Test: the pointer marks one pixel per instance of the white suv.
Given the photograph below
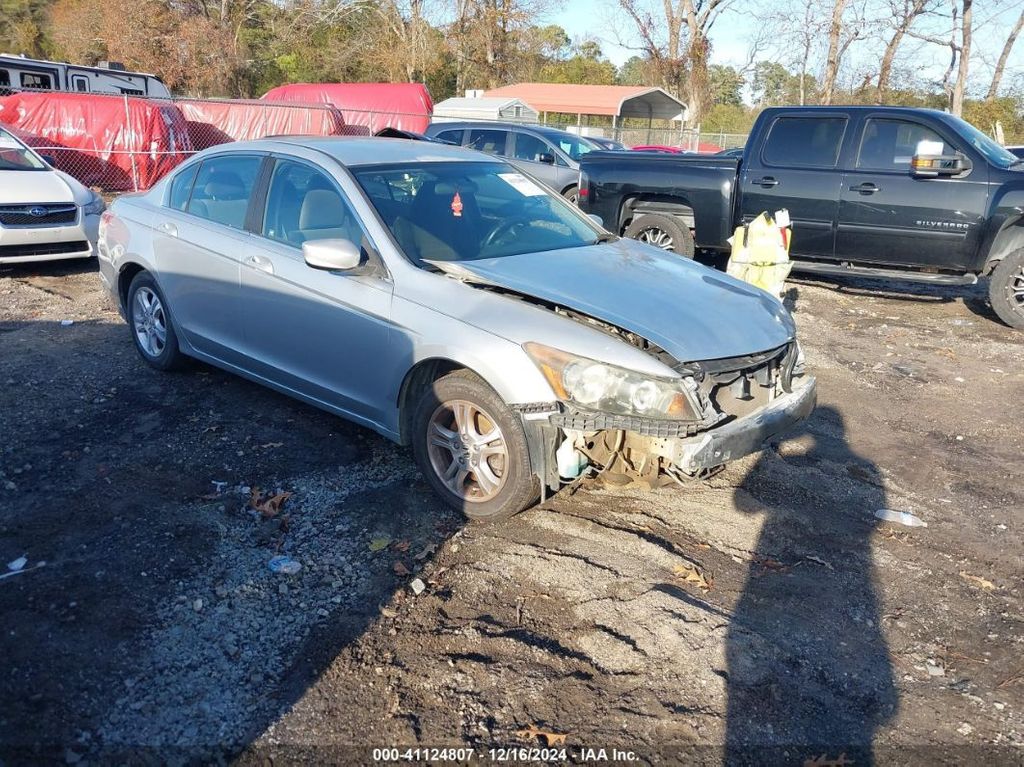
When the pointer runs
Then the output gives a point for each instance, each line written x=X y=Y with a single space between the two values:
x=44 y=214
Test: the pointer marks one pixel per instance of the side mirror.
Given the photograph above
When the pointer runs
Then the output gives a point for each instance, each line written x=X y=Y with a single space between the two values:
x=547 y=158
x=935 y=165
x=596 y=219
x=49 y=159
x=332 y=255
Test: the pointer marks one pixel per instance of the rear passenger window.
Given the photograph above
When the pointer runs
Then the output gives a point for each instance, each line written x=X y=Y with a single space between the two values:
x=454 y=136
x=181 y=187
x=303 y=204
x=489 y=141
x=807 y=142
x=530 y=148
x=891 y=144
x=222 y=189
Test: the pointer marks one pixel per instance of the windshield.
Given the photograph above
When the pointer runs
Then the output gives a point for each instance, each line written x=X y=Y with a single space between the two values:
x=574 y=146
x=16 y=156
x=994 y=153
x=463 y=211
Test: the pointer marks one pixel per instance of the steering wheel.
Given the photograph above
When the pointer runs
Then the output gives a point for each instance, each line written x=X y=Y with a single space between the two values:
x=504 y=227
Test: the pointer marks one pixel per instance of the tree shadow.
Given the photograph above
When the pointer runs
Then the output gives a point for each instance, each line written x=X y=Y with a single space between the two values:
x=809 y=672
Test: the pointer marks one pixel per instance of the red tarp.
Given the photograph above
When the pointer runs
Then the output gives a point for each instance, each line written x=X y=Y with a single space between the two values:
x=218 y=122
x=406 y=106
x=112 y=142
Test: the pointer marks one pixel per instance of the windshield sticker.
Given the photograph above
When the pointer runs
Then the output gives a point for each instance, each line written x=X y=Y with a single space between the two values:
x=521 y=184
x=457 y=205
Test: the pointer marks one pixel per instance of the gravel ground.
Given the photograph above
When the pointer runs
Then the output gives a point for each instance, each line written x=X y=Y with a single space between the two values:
x=765 y=615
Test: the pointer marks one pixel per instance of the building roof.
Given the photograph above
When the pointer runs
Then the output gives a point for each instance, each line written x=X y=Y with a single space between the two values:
x=618 y=100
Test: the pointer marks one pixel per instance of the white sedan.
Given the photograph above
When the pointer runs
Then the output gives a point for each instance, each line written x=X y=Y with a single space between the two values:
x=44 y=214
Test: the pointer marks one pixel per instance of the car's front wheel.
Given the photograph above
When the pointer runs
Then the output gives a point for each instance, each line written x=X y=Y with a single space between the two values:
x=663 y=232
x=149 y=319
x=572 y=194
x=472 y=448
x=1006 y=289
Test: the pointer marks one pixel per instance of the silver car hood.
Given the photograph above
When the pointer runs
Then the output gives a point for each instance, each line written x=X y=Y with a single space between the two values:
x=689 y=310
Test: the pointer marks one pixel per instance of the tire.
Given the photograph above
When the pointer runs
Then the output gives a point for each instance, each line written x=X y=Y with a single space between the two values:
x=149 y=319
x=572 y=194
x=663 y=232
x=447 y=416
x=1006 y=289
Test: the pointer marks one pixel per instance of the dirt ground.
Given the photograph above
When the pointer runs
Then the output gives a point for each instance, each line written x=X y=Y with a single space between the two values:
x=764 y=616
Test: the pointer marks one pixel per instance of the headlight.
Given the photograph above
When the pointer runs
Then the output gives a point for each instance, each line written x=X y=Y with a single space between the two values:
x=95 y=206
x=610 y=389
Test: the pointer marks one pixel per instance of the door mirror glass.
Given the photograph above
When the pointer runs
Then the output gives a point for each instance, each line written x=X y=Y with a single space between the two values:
x=332 y=255
x=547 y=158
x=934 y=165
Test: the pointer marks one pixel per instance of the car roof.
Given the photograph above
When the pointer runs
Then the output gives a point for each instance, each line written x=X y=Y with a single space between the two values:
x=355 y=151
x=463 y=124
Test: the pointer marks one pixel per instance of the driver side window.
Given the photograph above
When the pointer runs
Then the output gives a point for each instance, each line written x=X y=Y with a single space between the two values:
x=303 y=204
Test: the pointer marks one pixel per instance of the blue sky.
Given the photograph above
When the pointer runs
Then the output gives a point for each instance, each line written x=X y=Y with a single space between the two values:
x=600 y=20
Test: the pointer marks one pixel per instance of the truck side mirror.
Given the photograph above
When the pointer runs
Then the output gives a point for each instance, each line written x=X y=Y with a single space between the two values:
x=936 y=165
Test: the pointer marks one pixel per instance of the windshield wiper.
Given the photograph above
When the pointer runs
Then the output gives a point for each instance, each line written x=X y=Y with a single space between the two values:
x=605 y=237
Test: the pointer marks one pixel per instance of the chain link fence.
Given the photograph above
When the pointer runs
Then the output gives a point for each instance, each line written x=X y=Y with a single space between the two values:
x=120 y=143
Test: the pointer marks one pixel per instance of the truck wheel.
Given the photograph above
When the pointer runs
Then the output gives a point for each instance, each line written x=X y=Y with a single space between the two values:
x=662 y=232
x=472 y=448
x=1006 y=289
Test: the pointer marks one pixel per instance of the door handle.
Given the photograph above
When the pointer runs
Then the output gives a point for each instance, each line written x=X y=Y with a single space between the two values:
x=168 y=228
x=767 y=182
x=261 y=263
x=866 y=188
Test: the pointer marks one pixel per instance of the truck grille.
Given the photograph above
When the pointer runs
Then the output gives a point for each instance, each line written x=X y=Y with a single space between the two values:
x=39 y=214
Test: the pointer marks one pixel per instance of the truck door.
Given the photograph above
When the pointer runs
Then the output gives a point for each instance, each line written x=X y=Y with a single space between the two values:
x=887 y=216
x=797 y=169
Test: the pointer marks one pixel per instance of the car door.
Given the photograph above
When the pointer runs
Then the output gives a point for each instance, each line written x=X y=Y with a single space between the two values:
x=199 y=239
x=887 y=216
x=325 y=335
x=797 y=169
x=526 y=153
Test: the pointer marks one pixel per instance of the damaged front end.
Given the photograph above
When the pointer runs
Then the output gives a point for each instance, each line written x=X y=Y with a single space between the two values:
x=633 y=428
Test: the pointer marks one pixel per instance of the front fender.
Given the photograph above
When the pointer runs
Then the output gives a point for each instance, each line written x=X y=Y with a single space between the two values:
x=1005 y=231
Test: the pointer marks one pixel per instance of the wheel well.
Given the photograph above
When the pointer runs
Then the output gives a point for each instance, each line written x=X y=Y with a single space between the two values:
x=677 y=207
x=124 y=280
x=419 y=377
x=573 y=185
x=1008 y=240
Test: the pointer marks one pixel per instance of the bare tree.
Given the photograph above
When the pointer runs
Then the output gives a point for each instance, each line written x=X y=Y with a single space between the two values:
x=904 y=14
x=835 y=32
x=678 y=45
x=956 y=102
x=997 y=74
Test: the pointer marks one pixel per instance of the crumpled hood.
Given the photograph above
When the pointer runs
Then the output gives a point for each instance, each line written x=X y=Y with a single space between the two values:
x=689 y=310
x=18 y=187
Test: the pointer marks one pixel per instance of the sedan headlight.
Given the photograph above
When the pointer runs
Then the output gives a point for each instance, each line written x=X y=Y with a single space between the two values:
x=607 y=388
x=94 y=206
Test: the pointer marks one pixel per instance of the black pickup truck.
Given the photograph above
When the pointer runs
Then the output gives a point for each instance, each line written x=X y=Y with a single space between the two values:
x=913 y=194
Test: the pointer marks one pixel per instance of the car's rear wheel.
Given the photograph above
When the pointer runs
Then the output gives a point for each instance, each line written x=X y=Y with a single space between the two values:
x=662 y=232
x=1006 y=289
x=149 y=319
x=472 y=448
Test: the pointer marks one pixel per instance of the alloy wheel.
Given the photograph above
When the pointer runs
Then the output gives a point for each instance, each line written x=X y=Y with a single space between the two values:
x=150 y=322
x=1016 y=289
x=659 y=238
x=467 y=451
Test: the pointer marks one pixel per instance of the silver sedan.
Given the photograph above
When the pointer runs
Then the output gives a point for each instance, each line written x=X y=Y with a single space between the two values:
x=446 y=300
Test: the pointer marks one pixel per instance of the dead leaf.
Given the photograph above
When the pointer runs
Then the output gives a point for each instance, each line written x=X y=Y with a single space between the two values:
x=379 y=544
x=400 y=568
x=271 y=507
x=978 y=580
x=402 y=546
x=551 y=739
x=427 y=551
x=690 y=573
